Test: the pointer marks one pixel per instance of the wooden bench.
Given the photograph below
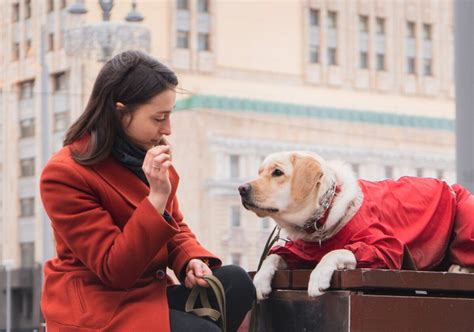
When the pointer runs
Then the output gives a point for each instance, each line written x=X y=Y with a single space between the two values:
x=370 y=300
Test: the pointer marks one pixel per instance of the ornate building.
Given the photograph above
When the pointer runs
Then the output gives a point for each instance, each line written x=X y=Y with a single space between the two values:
x=366 y=81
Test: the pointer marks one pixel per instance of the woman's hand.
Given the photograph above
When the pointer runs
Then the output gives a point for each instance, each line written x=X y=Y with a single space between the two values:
x=155 y=166
x=195 y=271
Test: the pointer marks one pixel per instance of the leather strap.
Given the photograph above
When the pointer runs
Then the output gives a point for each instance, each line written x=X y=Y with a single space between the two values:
x=216 y=286
x=272 y=239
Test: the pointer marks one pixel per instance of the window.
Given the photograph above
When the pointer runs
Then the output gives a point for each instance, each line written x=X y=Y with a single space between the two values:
x=27 y=207
x=15 y=12
x=411 y=65
x=363 y=23
x=427 y=70
x=62 y=4
x=235 y=216
x=380 y=26
x=427 y=50
x=355 y=169
x=182 y=39
x=380 y=44
x=26 y=90
x=363 y=60
x=234 y=166
x=332 y=38
x=50 y=42
x=314 y=17
x=332 y=56
x=388 y=172
x=411 y=31
x=22 y=303
x=15 y=51
x=313 y=53
x=235 y=258
x=60 y=82
x=27 y=9
x=410 y=48
x=332 y=20
x=27 y=128
x=419 y=172
x=27 y=250
x=203 y=6
x=182 y=4
x=265 y=223
x=61 y=121
x=314 y=36
x=427 y=31
x=27 y=167
x=363 y=42
x=410 y=51
x=380 y=59
x=28 y=48
x=50 y=6
x=203 y=41
x=193 y=34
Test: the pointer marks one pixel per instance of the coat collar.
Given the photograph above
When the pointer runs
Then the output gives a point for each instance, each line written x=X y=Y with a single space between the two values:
x=127 y=184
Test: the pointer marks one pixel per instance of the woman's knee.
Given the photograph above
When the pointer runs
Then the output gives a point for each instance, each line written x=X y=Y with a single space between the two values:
x=237 y=281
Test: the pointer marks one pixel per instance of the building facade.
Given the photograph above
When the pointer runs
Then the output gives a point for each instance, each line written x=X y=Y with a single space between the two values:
x=366 y=81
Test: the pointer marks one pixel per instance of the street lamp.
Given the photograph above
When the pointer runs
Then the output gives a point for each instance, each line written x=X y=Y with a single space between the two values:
x=106 y=38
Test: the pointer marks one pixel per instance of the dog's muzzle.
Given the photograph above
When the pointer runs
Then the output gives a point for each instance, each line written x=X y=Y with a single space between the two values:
x=244 y=191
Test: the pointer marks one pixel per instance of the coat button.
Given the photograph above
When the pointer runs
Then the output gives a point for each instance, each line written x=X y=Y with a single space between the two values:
x=160 y=274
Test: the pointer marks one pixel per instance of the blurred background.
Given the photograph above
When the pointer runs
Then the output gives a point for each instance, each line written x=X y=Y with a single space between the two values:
x=370 y=82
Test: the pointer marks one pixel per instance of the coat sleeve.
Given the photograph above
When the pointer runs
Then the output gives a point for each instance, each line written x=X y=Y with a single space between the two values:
x=375 y=247
x=117 y=257
x=184 y=246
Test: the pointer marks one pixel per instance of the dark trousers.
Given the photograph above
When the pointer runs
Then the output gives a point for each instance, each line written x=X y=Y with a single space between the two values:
x=239 y=292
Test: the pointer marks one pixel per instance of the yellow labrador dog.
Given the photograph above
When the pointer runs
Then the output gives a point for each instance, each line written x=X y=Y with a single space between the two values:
x=335 y=221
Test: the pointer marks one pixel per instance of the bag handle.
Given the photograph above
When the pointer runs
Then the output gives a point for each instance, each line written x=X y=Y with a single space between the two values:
x=216 y=286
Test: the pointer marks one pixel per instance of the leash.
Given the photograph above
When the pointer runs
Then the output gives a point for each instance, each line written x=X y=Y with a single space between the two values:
x=216 y=286
x=207 y=310
x=272 y=239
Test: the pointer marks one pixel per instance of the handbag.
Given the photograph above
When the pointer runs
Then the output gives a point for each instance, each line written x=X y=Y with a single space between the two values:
x=207 y=310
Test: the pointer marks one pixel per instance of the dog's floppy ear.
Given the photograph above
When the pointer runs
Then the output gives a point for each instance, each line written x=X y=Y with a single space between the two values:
x=306 y=175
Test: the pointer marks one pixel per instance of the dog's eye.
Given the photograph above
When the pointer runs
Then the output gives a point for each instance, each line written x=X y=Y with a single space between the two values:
x=277 y=172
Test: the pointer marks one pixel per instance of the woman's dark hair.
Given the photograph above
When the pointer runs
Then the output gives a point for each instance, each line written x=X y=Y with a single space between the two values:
x=132 y=78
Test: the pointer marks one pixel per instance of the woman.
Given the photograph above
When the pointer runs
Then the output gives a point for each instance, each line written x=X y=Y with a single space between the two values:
x=110 y=195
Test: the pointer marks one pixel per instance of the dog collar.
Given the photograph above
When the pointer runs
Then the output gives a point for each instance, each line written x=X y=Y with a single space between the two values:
x=317 y=223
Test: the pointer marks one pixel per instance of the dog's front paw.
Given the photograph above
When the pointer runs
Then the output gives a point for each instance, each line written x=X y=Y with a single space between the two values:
x=263 y=285
x=320 y=280
x=455 y=268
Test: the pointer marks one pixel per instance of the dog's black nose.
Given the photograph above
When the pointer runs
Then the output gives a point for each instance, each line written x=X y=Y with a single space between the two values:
x=244 y=189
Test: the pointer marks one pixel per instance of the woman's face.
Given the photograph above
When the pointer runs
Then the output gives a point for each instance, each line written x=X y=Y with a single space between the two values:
x=150 y=121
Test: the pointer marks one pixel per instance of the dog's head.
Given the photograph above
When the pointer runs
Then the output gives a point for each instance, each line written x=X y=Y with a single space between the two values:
x=288 y=187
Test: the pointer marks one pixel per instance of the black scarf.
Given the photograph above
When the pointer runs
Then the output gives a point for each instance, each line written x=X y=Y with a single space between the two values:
x=130 y=155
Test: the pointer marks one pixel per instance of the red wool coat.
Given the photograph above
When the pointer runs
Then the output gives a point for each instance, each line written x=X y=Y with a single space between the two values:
x=112 y=246
x=414 y=212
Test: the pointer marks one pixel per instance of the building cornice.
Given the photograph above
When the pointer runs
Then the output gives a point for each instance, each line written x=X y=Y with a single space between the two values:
x=235 y=104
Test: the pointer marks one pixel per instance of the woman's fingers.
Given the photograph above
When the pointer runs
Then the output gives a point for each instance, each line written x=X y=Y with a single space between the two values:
x=157 y=161
x=194 y=276
x=159 y=149
x=190 y=281
x=155 y=152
